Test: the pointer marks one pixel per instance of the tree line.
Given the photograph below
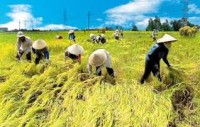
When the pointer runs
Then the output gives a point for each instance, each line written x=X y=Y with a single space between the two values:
x=173 y=25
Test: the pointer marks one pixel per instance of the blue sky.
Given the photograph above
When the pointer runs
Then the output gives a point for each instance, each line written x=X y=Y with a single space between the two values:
x=49 y=14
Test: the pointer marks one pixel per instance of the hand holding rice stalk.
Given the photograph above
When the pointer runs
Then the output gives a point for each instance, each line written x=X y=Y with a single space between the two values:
x=175 y=68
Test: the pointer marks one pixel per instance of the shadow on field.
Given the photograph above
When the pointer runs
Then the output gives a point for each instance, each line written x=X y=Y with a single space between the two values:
x=90 y=80
x=87 y=79
x=32 y=70
x=3 y=79
x=34 y=96
x=181 y=100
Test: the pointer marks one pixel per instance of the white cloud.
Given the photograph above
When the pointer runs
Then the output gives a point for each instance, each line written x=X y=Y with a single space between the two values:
x=193 y=8
x=142 y=24
x=194 y=20
x=135 y=7
x=21 y=13
x=55 y=27
x=136 y=11
x=132 y=11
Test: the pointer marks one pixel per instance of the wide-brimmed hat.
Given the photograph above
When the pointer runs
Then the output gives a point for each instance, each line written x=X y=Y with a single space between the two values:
x=20 y=34
x=39 y=44
x=166 y=38
x=71 y=31
x=97 y=58
x=75 y=49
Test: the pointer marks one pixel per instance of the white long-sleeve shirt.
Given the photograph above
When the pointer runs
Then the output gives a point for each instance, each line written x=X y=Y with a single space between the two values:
x=24 y=46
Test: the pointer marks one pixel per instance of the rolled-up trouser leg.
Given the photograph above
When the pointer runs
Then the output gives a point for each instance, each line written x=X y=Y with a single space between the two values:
x=28 y=56
x=110 y=71
x=98 y=71
x=147 y=71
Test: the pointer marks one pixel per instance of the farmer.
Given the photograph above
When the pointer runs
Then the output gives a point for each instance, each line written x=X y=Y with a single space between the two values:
x=58 y=37
x=74 y=52
x=93 y=38
x=40 y=50
x=96 y=39
x=99 y=58
x=24 y=45
x=158 y=51
x=102 y=38
x=72 y=35
x=116 y=34
x=154 y=34
x=121 y=32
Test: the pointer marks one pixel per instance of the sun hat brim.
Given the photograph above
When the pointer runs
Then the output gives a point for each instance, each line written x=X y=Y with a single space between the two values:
x=166 y=38
x=71 y=31
x=75 y=49
x=39 y=44
x=20 y=34
x=97 y=58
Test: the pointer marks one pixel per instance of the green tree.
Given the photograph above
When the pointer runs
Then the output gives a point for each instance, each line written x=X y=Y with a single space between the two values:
x=134 y=28
x=150 y=26
x=166 y=26
x=157 y=23
x=176 y=24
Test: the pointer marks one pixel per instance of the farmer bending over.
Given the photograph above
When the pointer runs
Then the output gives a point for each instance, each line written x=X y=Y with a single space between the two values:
x=99 y=58
x=116 y=34
x=158 y=51
x=74 y=52
x=72 y=35
x=24 y=45
x=102 y=38
x=40 y=50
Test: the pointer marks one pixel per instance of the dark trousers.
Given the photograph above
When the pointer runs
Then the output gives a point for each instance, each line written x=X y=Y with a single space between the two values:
x=28 y=55
x=153 y=67
x=103 y=40
x=117 y=37
x=109 y=70
x=38 y=58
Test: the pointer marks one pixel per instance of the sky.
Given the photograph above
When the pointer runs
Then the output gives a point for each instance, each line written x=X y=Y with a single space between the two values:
x=74 y=14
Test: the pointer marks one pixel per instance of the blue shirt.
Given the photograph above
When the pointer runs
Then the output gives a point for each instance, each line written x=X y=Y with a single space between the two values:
x=157 y=52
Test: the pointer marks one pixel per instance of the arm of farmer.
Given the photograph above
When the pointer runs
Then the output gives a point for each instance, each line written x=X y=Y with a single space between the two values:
x=29 y=42
x=165 y=59
x=89 y=67
x=79 y=58
x=47 y=56
x=18 y=45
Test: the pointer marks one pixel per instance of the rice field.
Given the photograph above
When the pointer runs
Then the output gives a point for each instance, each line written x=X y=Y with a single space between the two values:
x=65 y=95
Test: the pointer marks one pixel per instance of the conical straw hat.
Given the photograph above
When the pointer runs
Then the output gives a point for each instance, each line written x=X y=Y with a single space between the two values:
x=75 y=49
x=39 y=44
x=20 y=34
x=71 y=31
x=166 y=38
x=97 y=58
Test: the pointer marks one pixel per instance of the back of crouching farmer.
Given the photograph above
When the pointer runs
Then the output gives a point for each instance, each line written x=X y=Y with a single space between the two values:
x=40 y=49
